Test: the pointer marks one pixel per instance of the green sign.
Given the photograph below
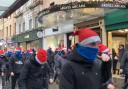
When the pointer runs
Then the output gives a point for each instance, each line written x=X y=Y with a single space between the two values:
x=28 y=36
x=78 y=5
x=117 y=20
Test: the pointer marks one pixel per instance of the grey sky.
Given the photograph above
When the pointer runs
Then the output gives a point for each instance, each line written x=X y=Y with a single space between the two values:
x=5 y=3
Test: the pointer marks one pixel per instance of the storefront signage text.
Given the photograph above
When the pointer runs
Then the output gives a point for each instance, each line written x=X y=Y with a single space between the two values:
x=83 y=4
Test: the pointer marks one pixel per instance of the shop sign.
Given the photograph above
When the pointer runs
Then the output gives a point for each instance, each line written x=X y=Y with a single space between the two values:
x=82 y=4
x=39 y=34
x=26 y=37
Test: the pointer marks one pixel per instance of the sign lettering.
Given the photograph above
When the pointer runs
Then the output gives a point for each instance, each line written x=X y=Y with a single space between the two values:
x=82 y=4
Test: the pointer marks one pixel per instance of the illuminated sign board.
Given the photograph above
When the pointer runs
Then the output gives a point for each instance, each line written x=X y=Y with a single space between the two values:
x=82 y=4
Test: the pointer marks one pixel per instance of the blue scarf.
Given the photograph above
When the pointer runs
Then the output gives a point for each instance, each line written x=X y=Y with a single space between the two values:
x=88 y=53
x=18 y=55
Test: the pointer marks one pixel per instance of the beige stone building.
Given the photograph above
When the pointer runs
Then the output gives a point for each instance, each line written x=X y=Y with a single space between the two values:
x=1 y=29
x=9 y=27
x=24 y=20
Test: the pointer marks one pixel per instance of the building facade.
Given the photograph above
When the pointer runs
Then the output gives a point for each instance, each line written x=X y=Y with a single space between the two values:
x=80 y=18
x=27 y=26
x=1 y=29
x=116 y=24
x=7 y=30
x=56 y=28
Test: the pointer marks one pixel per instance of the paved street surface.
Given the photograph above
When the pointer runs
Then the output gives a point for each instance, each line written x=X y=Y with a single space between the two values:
x=118 y=81
x=52 y=86
x=0 y=84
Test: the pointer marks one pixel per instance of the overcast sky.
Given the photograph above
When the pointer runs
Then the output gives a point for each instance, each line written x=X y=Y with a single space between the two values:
x=6 y=2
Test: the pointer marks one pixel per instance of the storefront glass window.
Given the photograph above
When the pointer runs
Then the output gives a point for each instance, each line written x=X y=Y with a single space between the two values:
x=55 y=41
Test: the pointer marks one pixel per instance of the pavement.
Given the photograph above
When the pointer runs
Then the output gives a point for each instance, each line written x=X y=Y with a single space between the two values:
x=0 y=84
x=51 y=86
x=54 y=86
x=118 y=82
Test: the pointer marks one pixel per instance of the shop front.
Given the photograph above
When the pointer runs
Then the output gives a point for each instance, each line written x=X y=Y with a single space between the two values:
x=56 y=36
x=81 y=18
x=29 y=40
x=117 y=28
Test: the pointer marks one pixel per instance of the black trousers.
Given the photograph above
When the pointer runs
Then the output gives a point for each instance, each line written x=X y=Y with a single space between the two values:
x=14 y=79
x=126 y=82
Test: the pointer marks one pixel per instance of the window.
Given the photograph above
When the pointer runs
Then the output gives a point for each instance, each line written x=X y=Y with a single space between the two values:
x=23 y=27
x=14 y=32
x=30 y=24
x=7 y=32
x=36 y=22
x=19 y=28
x=10 y=30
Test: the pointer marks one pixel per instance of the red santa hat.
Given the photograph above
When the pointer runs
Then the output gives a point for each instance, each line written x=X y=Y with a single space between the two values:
x=105 y=52
x=1 y=52
x=103 y=48
x=18 y=49
x=64 y=48
x=87 y=36
x=41 y=56
x=30 y=51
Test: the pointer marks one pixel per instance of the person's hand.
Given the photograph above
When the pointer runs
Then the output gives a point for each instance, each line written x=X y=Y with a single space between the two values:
x=2 y=74
x=12 y=74
x=121 y=70
x=110 y=86
x=105 y=57
x=51 y=81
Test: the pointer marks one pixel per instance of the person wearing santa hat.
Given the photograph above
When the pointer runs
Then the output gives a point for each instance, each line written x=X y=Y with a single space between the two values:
x=106 y=64
x=36 y=73
x=84 y=69
x=15 y=64
x=3 y=59
x=124 y=66
x=5 y=68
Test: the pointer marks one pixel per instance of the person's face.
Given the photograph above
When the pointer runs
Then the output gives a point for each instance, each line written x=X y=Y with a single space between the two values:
x=93 y=45
x=121 y=47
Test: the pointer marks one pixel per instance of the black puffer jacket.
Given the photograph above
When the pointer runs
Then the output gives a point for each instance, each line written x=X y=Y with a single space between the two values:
x=79 y=74
x=124 y=62
x=15 y=64
x=34 y=76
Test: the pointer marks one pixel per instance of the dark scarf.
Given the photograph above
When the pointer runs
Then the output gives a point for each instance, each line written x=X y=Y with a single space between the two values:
x=88 y=53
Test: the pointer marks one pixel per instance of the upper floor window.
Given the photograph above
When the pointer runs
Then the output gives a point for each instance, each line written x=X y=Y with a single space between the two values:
x=10 y=30
x=36 y=22
x=23 y=29
x=30 y=24
x=7 y=32
x=19 y=28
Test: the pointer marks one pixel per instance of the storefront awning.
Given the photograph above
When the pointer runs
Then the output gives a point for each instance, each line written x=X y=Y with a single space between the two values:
x=118 y=26
x=117 y=20
x=28 y=36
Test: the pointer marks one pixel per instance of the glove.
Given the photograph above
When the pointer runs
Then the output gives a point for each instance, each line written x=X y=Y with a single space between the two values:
x=110 y=86
x=51 y=80
x=12 y=74
x=105 y=57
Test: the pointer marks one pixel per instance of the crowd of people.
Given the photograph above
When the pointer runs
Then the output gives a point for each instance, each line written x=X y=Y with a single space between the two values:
x=42 y=67
x=86 y=66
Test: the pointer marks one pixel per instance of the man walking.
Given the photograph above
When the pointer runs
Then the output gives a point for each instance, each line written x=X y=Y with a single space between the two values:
x=84 y=70
x=36 y=73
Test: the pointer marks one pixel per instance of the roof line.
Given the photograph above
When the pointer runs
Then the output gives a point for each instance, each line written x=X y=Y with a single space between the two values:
x=16 y=5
